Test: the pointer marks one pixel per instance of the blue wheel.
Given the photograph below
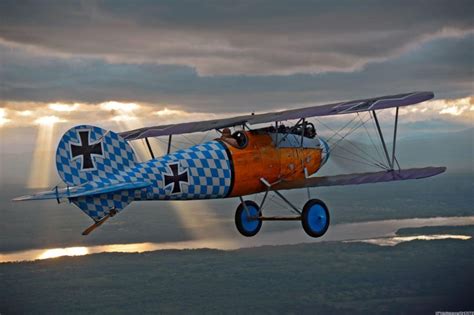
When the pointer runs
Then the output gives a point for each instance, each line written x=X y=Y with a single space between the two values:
x=315 y=218
x=246 y=218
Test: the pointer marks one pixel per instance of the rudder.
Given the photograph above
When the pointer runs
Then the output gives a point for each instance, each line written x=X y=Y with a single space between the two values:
x=88 y=153
x=92 y=155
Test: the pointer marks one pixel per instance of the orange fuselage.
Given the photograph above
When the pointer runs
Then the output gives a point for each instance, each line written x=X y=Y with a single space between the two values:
x=262 y=159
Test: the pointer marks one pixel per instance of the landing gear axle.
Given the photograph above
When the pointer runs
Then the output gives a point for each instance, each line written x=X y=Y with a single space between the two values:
x=314 y=218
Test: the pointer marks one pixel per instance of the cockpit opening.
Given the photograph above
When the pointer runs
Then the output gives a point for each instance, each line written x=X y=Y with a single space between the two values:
x=300 y=135
x=307 y=130
x=238 y=139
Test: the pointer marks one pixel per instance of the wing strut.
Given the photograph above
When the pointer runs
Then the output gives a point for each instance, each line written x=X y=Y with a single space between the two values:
x=394 y=138
x=149 y=148
x=382 y=139
x=169 y=145
x=391 y=161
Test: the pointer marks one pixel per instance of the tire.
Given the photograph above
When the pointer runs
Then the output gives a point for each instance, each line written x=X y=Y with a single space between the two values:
x=315 y=218
x=245 y=226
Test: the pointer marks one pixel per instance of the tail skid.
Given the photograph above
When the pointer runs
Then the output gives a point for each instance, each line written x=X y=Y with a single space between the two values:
x=91 y=228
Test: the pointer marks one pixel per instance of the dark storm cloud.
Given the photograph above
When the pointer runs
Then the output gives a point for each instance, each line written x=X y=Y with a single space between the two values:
x=443 y=65
x=235 y=37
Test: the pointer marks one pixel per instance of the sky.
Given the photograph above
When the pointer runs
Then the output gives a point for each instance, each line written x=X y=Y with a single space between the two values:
x=128 y=64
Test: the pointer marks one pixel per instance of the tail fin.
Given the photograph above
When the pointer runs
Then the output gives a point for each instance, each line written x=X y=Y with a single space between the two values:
x=88 y=153
x=92 y=162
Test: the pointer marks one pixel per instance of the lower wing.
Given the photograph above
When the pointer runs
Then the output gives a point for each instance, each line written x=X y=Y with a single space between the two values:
x=361 y=178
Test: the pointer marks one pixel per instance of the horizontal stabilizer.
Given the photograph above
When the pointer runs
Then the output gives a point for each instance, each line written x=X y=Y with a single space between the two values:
x=83 y=191
x=361 y=178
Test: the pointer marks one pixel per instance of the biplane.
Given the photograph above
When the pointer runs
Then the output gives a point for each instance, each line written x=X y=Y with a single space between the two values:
x=102 y=174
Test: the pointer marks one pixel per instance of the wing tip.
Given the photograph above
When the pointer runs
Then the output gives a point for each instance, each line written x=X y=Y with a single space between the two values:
x=427 y=94
x=441 y=169
x=22 y=198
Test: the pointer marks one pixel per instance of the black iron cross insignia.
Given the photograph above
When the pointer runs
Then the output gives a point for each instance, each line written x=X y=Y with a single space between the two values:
x=85 y=150
x=176 y=178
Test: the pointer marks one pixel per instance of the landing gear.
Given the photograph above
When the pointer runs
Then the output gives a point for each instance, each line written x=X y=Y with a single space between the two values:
x=247 y=218
x=315 y=218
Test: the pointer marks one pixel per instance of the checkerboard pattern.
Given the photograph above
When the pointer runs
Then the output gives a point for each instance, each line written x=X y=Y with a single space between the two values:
x=208 y=169
x=98 y=206
x=117 y=157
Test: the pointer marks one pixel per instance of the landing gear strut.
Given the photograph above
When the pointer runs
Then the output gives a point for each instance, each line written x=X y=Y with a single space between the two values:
x=314 y=217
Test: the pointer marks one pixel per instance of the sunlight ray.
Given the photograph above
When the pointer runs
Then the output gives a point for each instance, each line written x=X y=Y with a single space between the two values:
x=40 y=171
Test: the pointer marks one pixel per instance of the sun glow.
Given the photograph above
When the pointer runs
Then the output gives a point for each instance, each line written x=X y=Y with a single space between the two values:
x=392 y=241
x=3 y=118
x=127 y=120
x=123 y=118
x=59 y=252
x=454 y=110
x=169 y=112
x=48 y=120
x=40 y=172
x=25 y=113
x=59 y=107
x=120 y=107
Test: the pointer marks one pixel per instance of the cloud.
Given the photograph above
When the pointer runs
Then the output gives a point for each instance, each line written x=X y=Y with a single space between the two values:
x=27 y=114
x=234 y=38
x=49 y=120
x=444 y=66
x=3 y=118
x=442 y=112
x=63 y=107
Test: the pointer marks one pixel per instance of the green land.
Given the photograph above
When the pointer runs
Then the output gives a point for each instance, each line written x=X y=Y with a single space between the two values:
x=324 y=278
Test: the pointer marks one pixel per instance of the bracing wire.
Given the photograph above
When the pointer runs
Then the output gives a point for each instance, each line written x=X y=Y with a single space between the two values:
x=278 y=203
x=204 y=138
x=367 y=161
x=342 y=128
x=191 y=141
x=357 y=161
x=367 y=156
x=166 y=143
x=354 y=127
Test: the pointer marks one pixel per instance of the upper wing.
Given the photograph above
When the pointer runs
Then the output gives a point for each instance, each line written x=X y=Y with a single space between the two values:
x=361 y=178
x=320 y=110
x=178 y=129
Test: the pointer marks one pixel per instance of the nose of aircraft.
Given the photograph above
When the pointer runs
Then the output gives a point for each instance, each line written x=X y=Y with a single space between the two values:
x=325 y=152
